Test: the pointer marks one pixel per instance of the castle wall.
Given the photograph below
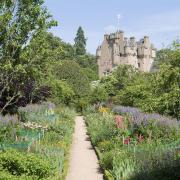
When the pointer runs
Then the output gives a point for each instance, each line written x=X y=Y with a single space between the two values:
x=116 y=50
x=105 y=52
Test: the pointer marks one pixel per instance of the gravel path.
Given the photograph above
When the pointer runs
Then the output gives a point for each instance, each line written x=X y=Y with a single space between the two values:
x=83 y=162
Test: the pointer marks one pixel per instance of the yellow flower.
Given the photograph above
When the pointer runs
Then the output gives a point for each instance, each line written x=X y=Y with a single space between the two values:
x=103 y=110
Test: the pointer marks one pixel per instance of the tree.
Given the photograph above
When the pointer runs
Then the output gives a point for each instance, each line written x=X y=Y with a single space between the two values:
x=62 y=92
x=88 y=61
x=80 y=42
x=77 y=80
x=20 y=21
x=98 y=94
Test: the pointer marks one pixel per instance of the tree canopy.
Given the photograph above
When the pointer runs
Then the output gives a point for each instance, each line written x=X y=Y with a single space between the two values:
x=80 y=42
x=21 y=21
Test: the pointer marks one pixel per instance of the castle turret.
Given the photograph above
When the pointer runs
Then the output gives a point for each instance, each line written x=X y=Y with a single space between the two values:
x=125 y=41
x=119 y=35
x=117 y=49
x=132 y=42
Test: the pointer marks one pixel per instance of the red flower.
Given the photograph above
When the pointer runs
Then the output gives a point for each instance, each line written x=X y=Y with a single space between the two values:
x=127 y=141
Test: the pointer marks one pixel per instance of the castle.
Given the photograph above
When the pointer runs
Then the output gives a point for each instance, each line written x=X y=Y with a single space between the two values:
x=117 y=49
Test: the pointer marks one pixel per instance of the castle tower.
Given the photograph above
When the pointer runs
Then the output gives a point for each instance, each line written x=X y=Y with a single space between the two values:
x=146 y=54
x=117 y=49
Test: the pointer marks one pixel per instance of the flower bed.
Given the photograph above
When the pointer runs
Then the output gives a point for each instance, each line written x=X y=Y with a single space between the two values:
x=135 y=145
x=41 y=137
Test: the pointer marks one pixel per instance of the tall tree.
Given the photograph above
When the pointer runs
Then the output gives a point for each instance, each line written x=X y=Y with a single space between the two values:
x=20 y=22
x=80 y=42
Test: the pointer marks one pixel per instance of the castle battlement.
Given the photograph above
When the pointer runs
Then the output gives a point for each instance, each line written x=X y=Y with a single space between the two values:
x=117 y=49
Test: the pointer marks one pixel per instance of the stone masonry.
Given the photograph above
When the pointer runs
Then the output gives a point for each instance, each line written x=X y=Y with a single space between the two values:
x=117 y=49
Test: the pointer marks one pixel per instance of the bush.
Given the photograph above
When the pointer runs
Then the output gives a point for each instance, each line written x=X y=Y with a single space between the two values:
x=101 y=127
x=18 y=163
x=107 y=160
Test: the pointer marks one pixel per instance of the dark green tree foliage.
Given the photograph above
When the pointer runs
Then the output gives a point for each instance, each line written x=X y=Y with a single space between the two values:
x=87 y=61
x=80 y=42
x=62 y=92
x=99 y=94
x=72 y=73
x=78 y=82
x=46 y=49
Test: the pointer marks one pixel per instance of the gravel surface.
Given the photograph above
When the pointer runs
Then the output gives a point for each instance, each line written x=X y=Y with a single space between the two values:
x=83 y=161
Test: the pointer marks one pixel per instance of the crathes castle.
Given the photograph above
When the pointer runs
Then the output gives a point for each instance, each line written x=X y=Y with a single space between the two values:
x=117 y=49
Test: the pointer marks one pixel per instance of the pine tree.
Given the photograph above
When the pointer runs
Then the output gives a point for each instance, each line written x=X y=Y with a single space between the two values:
x=80 y=42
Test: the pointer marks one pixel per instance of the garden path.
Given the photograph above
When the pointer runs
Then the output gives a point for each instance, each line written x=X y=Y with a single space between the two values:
x=83 y=161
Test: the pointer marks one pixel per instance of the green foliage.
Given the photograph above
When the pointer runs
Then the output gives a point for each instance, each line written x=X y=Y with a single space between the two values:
x=89 y=64
x=101 y=128
x=8 y=132
x=118 y=79
x=18 y=163
x=87 y=61
x=157 y=156
x=107 y=160
x=47 y=48
x=80 y=42
x=99 y=94
x=161 y=58
x=76 y=87
x=21 y=21
x=157 y=91
x=62 y=92
x=39 y=153
x=91 y=75
x=71 y=72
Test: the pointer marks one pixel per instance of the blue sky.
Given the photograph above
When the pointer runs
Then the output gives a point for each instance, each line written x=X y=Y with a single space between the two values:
x=159 y=19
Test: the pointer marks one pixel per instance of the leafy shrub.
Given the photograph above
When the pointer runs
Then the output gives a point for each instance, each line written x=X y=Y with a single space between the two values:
x=105 y=145
x=20 y=163
x=107 y=160
x=101 y=127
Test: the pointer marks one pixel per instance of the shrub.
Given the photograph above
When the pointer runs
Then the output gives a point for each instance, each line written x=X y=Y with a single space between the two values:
x=18 y=163
x=101 y=127
x=107 y=160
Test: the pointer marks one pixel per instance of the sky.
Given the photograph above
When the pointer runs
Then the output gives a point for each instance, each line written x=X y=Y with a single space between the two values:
x=158 y=19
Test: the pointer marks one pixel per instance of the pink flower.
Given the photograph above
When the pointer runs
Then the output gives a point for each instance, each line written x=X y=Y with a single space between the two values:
x=119 y=121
